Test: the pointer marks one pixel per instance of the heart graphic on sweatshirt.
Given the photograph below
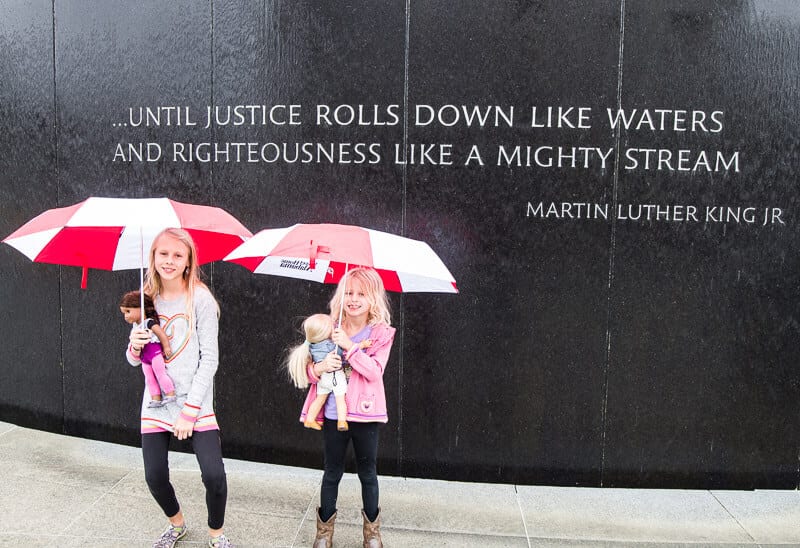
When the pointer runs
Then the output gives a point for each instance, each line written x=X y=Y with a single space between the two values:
x=177 y=329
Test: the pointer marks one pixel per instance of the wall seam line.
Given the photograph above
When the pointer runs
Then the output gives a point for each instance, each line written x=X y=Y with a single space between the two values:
x=58 y=203
x=211 y=166
x=612 y=246
x=404 y=206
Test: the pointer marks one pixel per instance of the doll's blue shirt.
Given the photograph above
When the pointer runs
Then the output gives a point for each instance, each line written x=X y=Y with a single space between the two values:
x=321 y=349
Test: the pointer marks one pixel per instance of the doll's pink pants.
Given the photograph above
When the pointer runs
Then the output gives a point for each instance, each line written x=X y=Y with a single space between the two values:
x=155 y=370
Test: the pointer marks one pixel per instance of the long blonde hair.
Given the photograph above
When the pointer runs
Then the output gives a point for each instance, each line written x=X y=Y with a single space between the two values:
x=317 y=328
x=374 y=291
x=191 y=276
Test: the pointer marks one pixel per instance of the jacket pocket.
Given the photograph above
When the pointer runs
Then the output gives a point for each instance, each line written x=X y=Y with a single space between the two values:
x=365 y=404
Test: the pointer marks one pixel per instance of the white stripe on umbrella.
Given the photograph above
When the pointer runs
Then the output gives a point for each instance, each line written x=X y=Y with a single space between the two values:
x=143 y=211
x=293 y=267
x=413 y=262
x=32 y=244
x=131 y=241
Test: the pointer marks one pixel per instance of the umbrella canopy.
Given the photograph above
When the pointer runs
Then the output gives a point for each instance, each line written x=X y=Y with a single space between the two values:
x=324 y=252
x=116 y=233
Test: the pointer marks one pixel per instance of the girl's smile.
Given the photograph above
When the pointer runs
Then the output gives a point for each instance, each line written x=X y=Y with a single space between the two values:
x=356 y=303
x=171 y=258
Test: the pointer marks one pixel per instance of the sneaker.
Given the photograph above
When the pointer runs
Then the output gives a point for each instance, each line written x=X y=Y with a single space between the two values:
x=155 y=403
x=169 y=537
x=219 y=542
x=169 y=399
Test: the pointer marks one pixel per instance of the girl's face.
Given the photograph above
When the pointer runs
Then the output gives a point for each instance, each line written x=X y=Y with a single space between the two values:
x=132 y=315
x=171 y=258
x=356 y=302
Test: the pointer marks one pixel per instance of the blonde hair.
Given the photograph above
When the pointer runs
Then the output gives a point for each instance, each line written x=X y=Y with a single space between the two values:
x=317 y=328
x=373 y=290
x=191 y=276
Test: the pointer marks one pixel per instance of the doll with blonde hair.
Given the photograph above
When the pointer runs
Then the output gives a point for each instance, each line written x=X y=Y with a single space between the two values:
x=318 y=344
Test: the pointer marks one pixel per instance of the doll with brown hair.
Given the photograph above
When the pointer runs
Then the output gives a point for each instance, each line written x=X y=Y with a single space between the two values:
x=318 y=344
x=155 y=352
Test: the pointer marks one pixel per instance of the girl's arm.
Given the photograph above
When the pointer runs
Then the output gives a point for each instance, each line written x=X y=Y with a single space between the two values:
x=371 y=362
x=207 y=326
x=162 y=338
x=137 y=339
x=331 y=362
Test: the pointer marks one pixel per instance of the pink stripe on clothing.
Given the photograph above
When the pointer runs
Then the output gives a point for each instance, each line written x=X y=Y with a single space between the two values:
x=203 y=424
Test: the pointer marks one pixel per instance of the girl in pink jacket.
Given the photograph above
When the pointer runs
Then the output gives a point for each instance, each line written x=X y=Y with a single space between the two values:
x=362 y=298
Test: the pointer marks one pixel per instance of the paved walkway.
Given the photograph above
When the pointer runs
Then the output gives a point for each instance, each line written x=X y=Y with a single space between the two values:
x=64 y=491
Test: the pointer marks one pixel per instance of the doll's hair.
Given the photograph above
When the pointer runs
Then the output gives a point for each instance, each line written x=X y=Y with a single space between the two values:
x=131 y=299
x=374 y=291
x=191 y=276
x=317 y=328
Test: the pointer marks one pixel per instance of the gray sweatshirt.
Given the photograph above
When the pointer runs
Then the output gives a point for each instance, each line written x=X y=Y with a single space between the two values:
x=192 y=366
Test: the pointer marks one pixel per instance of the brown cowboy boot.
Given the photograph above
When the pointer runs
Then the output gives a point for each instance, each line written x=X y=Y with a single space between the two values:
x=372 y=531
x=324 y=538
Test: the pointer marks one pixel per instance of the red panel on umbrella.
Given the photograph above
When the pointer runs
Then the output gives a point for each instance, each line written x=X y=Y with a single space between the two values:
x=390 y=280
x=82 y=246
x=212 y=246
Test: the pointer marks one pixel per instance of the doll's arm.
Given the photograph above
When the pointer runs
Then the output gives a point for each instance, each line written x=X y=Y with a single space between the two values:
x=166 y=348
x=371 y=362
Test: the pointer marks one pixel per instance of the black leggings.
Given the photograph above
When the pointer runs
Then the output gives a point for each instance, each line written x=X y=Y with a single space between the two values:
x=364 y=436
x=208 y=450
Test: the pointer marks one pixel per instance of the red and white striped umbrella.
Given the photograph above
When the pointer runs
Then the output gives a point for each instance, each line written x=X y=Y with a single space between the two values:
x=324 y=252
x=116 y=233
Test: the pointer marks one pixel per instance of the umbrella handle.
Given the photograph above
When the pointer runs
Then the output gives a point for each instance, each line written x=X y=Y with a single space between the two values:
x=341 y=307
x=141 y=277
x=84 y=277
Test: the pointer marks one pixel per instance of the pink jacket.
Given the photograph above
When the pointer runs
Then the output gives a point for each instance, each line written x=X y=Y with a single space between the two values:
x=366 y=399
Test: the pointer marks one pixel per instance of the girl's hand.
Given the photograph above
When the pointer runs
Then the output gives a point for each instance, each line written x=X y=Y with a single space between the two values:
x=183 y=429
x=340 y=338
x=332 y=362
x=139 y=338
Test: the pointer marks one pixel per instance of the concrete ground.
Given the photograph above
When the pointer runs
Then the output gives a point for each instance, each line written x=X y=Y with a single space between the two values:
x=64 y=491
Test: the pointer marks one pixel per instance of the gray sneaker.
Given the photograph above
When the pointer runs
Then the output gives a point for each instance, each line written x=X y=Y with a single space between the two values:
x=169 y=537
x=219 y=542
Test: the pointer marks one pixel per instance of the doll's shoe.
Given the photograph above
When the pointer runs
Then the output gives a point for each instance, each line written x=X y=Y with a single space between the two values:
x=155 y=403
x=342 y=426
x=169 y=399
x=314 y=425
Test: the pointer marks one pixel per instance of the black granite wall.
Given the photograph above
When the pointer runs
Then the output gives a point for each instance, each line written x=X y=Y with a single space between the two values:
x=590 y=344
